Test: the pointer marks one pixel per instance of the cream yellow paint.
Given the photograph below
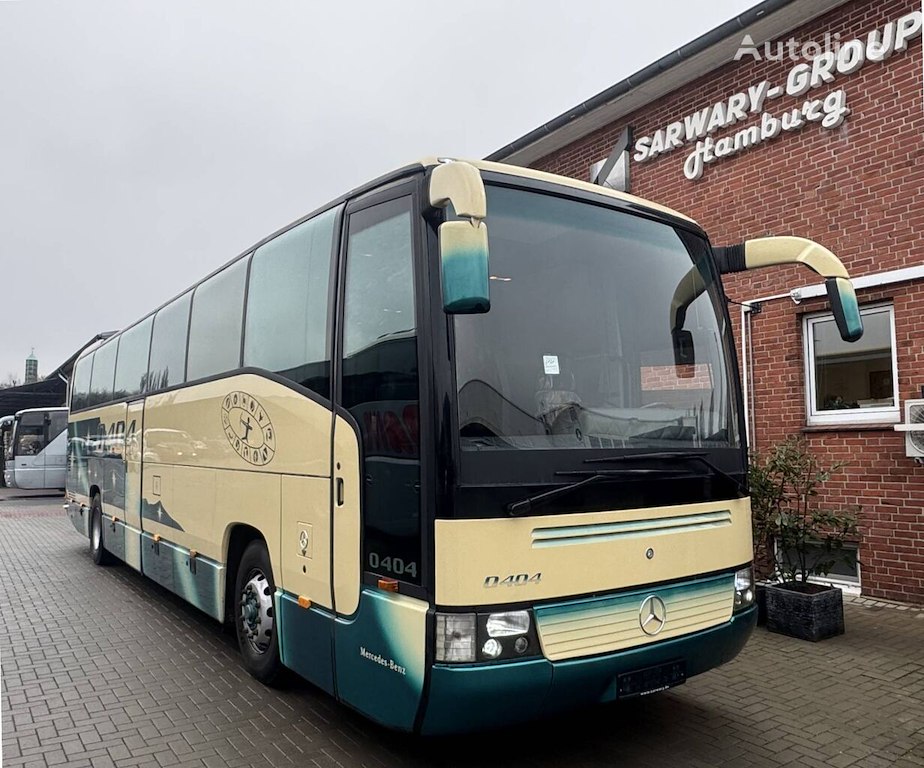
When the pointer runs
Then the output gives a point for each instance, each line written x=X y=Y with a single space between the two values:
x=306 y=507
x=204 y=483
x=347 y=557
x=470 y=551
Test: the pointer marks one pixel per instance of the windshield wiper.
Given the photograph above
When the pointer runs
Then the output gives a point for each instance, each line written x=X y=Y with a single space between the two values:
x=522 y=506
x=672 y=456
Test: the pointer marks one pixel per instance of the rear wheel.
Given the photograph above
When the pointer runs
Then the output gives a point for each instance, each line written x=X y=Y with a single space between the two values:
x=255 y=617
x=97 y=551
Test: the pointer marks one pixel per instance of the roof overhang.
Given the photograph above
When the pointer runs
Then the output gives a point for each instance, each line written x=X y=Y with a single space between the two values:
x=764 y=22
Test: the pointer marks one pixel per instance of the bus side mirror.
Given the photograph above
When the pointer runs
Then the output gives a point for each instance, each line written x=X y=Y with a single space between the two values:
x=845 y=308
x=464 y=267
x=463 y=243
x=684 y=353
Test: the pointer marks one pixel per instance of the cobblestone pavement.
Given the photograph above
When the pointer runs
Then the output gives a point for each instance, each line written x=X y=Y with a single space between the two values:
x=101 y=667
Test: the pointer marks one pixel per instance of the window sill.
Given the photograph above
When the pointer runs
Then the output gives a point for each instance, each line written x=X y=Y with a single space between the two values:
x=883 y=426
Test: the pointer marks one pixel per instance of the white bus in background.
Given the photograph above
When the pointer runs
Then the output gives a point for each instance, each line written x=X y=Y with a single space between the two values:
x=36 y=457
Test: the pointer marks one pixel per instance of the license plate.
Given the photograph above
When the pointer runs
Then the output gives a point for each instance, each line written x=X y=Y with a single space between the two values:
x=651 y=680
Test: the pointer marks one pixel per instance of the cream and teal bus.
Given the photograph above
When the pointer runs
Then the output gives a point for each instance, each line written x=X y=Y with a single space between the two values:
x=454 y=491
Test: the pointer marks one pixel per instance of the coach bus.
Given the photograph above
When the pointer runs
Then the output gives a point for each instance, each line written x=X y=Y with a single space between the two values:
x=454 y=492
x=37 y=449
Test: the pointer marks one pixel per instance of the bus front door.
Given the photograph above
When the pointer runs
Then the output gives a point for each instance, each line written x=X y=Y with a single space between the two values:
x=56 y=450
x=29 y=452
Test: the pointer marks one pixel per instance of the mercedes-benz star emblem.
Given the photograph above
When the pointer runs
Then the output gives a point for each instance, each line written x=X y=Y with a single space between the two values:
x=652 y=616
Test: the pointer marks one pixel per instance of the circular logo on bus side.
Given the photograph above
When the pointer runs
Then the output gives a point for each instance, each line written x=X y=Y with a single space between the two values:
x=248 y=428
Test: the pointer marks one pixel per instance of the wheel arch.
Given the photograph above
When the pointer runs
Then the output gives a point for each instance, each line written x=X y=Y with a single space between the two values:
x=237 y=537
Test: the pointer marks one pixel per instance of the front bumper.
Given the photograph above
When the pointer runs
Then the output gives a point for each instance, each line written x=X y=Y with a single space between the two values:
x=480 y=697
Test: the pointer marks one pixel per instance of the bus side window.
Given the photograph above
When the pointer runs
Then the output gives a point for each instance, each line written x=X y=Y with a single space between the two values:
x=215 y=324
x=56 y=424
x=103 y=373
x=80 y=386
x=380 y=384
x=287 y=304
x=167 y=365
x=30 y=434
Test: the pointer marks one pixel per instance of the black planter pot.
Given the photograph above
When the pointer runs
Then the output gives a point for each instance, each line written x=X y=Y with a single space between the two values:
x=807 y=611
x=760 y=598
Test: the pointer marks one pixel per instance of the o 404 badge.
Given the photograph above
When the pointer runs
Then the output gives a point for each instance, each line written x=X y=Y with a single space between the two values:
x=248 y=428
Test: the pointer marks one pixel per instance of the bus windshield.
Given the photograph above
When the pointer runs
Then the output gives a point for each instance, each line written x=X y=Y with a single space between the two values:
x=577 y=350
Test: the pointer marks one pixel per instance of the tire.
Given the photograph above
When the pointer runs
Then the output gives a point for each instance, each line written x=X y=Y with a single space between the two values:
x=97 y=550
x=253 y=611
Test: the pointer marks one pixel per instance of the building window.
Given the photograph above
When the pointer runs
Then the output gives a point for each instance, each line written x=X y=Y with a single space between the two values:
x=843 y=565
x=851 y=382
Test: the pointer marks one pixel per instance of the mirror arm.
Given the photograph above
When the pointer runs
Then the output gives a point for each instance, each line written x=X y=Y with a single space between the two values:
x=772 y=251
x=730 y=258
x=460 y=184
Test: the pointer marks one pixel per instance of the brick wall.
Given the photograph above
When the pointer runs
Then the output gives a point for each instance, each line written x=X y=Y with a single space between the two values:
x=859 y=190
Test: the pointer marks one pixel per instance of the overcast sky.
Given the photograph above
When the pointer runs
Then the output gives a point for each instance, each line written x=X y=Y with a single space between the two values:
x=142 y=144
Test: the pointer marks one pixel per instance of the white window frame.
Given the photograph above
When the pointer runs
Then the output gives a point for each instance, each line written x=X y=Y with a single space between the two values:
x=874 y=415
x=851 y=585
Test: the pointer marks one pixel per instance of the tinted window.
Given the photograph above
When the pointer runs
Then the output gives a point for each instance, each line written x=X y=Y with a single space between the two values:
x=80 y=435
x=80 y=387
x=168 y=345
x=132 y=362
x=103 y=372
x=30 y=438
x=57 y=423
x=215 y=327
x=33 y=419
x=380 y=384
x=380 y=286
x=287 y=308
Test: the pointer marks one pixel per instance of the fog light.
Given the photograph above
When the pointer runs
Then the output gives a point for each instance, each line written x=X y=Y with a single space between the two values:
x=455 y=637
x=744 y=588
x=508 y=624
x=492 y=648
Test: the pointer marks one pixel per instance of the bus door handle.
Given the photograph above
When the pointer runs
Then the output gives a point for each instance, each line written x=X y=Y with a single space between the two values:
x=339 y=491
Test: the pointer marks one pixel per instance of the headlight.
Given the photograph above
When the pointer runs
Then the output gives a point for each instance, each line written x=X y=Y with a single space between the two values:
x=471 y=637
x=508 y=624
x=744 y=588
x=492 y=648
x=455 y=637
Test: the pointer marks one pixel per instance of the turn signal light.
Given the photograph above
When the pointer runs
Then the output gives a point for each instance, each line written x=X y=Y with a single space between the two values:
x=303 y=602
x=389 y=585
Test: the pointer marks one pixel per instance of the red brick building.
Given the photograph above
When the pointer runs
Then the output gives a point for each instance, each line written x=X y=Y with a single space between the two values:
x=823 y=138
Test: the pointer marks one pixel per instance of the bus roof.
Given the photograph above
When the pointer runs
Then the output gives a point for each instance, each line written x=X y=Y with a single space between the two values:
x=567 y=181
x=39 y=410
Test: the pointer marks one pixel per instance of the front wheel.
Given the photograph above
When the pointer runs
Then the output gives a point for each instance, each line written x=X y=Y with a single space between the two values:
x=255 y=614
x=97 y=550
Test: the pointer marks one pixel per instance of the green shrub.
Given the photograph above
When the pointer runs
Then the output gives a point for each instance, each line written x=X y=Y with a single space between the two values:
x=793 y=535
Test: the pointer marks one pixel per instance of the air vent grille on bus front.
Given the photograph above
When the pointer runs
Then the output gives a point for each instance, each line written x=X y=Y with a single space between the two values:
x=608 y=624
x=627 y=529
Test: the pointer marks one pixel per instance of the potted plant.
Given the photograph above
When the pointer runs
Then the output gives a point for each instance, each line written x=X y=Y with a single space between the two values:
x=796 y=539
